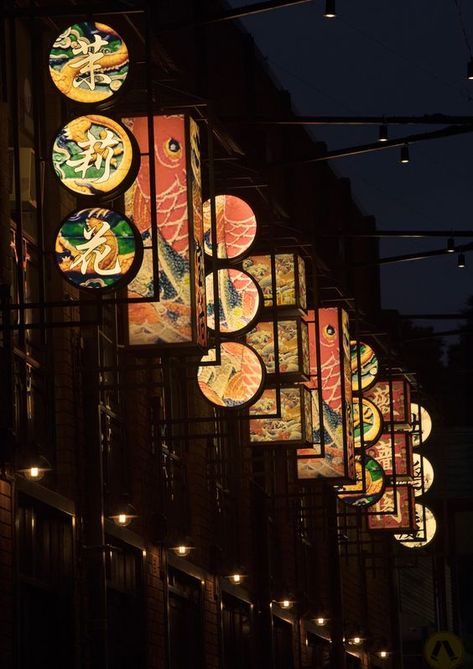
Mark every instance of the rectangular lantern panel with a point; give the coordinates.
(332, 456)
(394, 512)
(292, 428)
(178, 317)
(397, 446)
(293, 354)
(380, 395)
(289, 278)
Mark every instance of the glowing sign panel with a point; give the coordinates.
(236, 227)
(422, 424)
(423, 475)
(89, 62)
(289, 278)
(369, 485)
(427, 527)
(293, 426)
(92, 155)
(239, 300)
(292, 345)
(369, 424)
(97, 249)
(395, 458)
(236, 381)
(393, 400)
(364, 366)
(394, 511)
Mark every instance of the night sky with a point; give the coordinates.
(380, 57)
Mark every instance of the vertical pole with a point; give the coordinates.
(338, 657)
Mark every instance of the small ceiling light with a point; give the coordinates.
(383, 654)
(405, 154)
(320, 621)
(461, 260)
(237, 578)
(123, 515)
(35, 469)
(450, 245)
(286, 604)
(383, 133)
(469, 74)
(330, 12)
(182, 550)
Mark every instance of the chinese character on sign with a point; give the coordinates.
(89, 64)
(96, 150)
(95, 238)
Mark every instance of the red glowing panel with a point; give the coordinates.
(236, 381)
(179, 315)
(292, 426)
(236, 226)
(394, 512)
(392, 396)
(238, 297)
(384, 452)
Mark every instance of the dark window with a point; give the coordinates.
(236, 633)
(282, 634)
(319, 652)
(185, 621)
(46, 614)
(125, 607)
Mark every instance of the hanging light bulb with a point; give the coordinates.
(383, 654)
(35, 468)
(236, 578)
(286, 603)
(330, 12)
(461, 260)
(405, 154)
(383, 133)
(469, 74)
(124, 514)
(321, 621)
(450, 245)
(182, 548)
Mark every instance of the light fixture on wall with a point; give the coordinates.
(330, 11)
(450, 245)
(236, 578)
(123, 514)
(321, 621)
(383, 133)
(405, 154)
(469, 74)
(286, 603)
(182, 548)
(461, 260)
(34, 468)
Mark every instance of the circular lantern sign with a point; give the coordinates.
(426, 532)
(236, 227)
(93, 155)
(89, 62)
(369, 488)
(239, 300)
(423, 474)
(236, 381)
(364, 366)
(369, 424)
(98, 249)
(422, 424)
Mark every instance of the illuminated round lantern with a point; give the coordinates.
(368, 488)
(422, 424)
(236, 227)
(427, 525)
(98, 249)
(423, 474)
(236, 381)
(89, 62)
(364, 366)
(239, 300)
(369, 424)
(93, 155)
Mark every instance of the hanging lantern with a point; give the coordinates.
(94, 156)
(236, 380)
(367, 422)
(173, 244)
(423, 475)
(394, 453)
(392, 397)
(394, 512)
(98, 249)
(236, 227)
(364, 366)
(332, 452)
(369, 485)
(425, 532)
(292, 427)
(89, 62)
(289, 279)
(239, 301)
(421, 424)
(293, 347)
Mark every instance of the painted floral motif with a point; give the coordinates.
(89, 62)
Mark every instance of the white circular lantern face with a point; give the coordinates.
(369, 424)
(236, 227)
(364, 366)
(424, 534)
(89, 62)
(422, 423)
(236, 381)
(238, 297)
(423, 474)
(93, 155)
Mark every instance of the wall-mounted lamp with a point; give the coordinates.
(469, 74)
(124, 514)
(450, 245)
(182, 550)
(383, 133)
(383, 654)
(35, 468)
(461, 260)
(286, 604)
(321, 621)
(237, 578)
(405, 154)
(330, 11)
